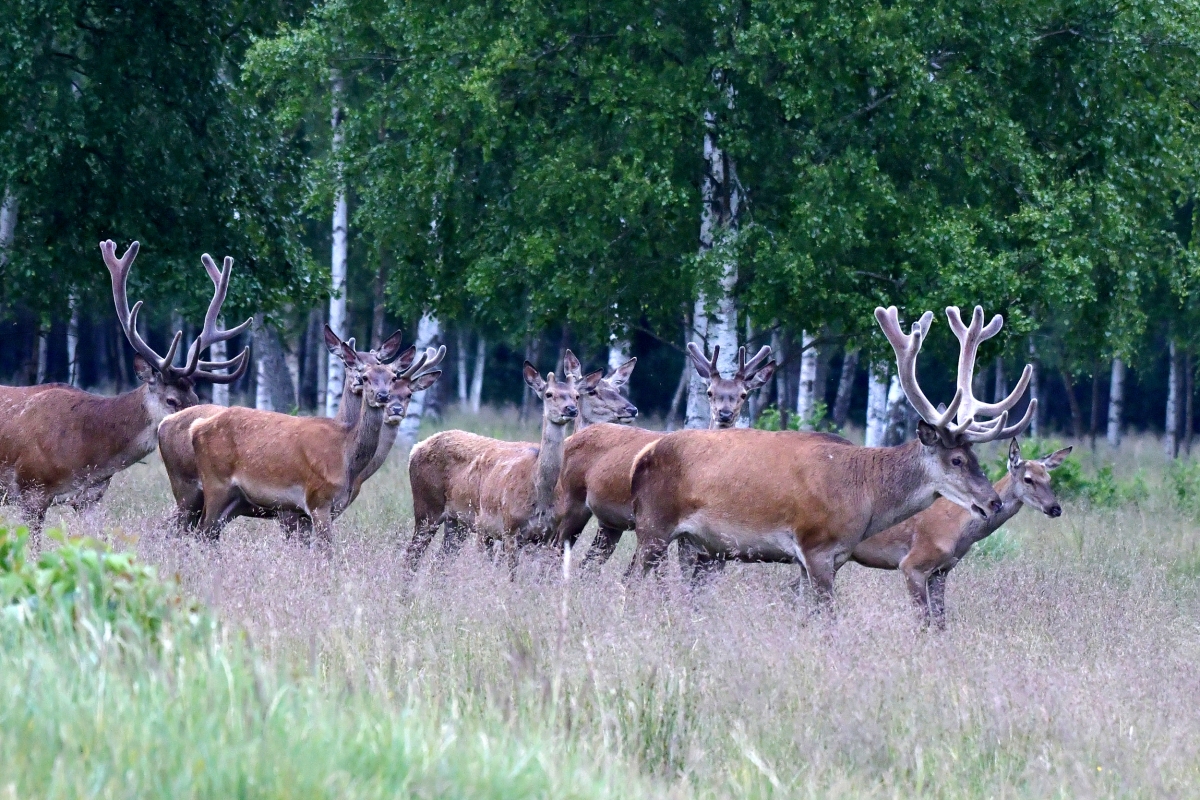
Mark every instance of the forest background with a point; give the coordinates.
(621, 178)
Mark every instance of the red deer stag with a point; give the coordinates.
(175, 439)
(504, 490)
(63, 445)
(251, 461)
(597, 461)
(810, 498)
(927, 546)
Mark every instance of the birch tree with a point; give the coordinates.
(337, 266)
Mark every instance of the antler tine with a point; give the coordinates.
(752, 366)
(118, 269)
(1007, 403)
(432, 359)
(969, 338)
(906, 347)
(712, 362)
(204, 371)
(210, 335)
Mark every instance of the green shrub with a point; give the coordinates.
(84, 579)
(769, 419)
(1183, 485)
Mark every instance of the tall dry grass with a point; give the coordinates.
(1070, 666)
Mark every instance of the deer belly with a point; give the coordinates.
(617, 516)
(722, 537)
(267, 495)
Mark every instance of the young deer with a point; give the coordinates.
(504, 490)
(59, 444)
(175, 438)
(250, 460)
(810, 498)
(597, 461)
(925, 547)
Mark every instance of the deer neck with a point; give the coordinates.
(363, 439)
(549, 464)
(897, 483)
(131, 422)
(350, 407)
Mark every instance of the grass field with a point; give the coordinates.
(1071, 668)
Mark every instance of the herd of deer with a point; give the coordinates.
(726, 493)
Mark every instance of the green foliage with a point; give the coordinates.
(81, 581)
(1107, 491)
(769, 419)
(1183, 485)
(999, 546)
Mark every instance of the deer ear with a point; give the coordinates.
(928, 434)
(1014, 454)
(406, 358)
(534, 380)
(143, 370)
(571, 366)
(758, 379)
(347, 354)
(390, 347)
(332, 342)
(699, 361)
(591, 380)
(1055, 459)
(423, 382)
(621, 374)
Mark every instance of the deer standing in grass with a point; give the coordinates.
(59, 444)
(811, 498)
(925, 547)
(250, 460)
(175, 439)
(504, 490)
(597, 460)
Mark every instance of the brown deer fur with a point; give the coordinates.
(504, 490)
(926, 546)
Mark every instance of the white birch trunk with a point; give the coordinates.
(477, 374)
(73, 341)
(806, 400)
(1035, 392)
(841, 405)
(618, 352)
(1116, 402)
(262, 391)
(461, 340)
(429, 331)
(720, 201)
(336, 370)
(8, 223)
(877, 404)
(897, 413)
(220, 391)
(1171, 439)
(43, 352)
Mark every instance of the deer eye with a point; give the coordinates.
(744, 394)
(591, 392)
(1028, 480)
(172, 402)
(957, 461)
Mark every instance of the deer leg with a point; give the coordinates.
(424, 529)
(90, 496)
(292, 522)
(602, 548)
(322, 527)
(454, 536)
(937, 598)
(219, 505)
(572, 521)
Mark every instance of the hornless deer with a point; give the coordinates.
(600, 398)
(63, 445)
(597, 461)
(249, 459)
(175, 439)
(810, 498)
(925, 547)
(505, 490)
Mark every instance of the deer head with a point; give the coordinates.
(947, 440)
(600, 398)
(410, 376)
(171, 386)
(726, 396)
(384, 354)
(1031, 479)
(560, 399)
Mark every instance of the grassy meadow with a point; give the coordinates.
(1070, 668)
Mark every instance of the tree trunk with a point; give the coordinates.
(1116, 402)
(841, 405)
(43, 352)
(122, 364)
(1189, 389)
(677, 399)
(806, 400)
(533, 352)
(877, 404)
(720, 205)
(73, 341)
(8, 223)
(1000, 388)
(1174, 390)
(336, 375)
(379, 306)
(618, 352)
(1073, 403)
(477, 374)
(1094, 422)
(1035, 393)
(218, 352)
(312, 372)
(460, 357)
(273, 389)
(429, 333)
(897, 413)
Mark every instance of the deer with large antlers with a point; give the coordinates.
(925, 547)
(260, 463)
(597, 461)
(503, 490)
(175, 439)
(63, 445)
(810, 498)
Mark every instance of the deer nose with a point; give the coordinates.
(996, 505)
(381, 397)
(630, 411)
(724, 416)
(570, 412)
(1054, 510)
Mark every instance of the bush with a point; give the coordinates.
(769, 419)
(1070, 482)
(83, 579)
(1183, 485)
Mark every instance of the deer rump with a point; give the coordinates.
(751, 495)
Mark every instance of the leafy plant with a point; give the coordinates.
(769, 419)
(1183, 485)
